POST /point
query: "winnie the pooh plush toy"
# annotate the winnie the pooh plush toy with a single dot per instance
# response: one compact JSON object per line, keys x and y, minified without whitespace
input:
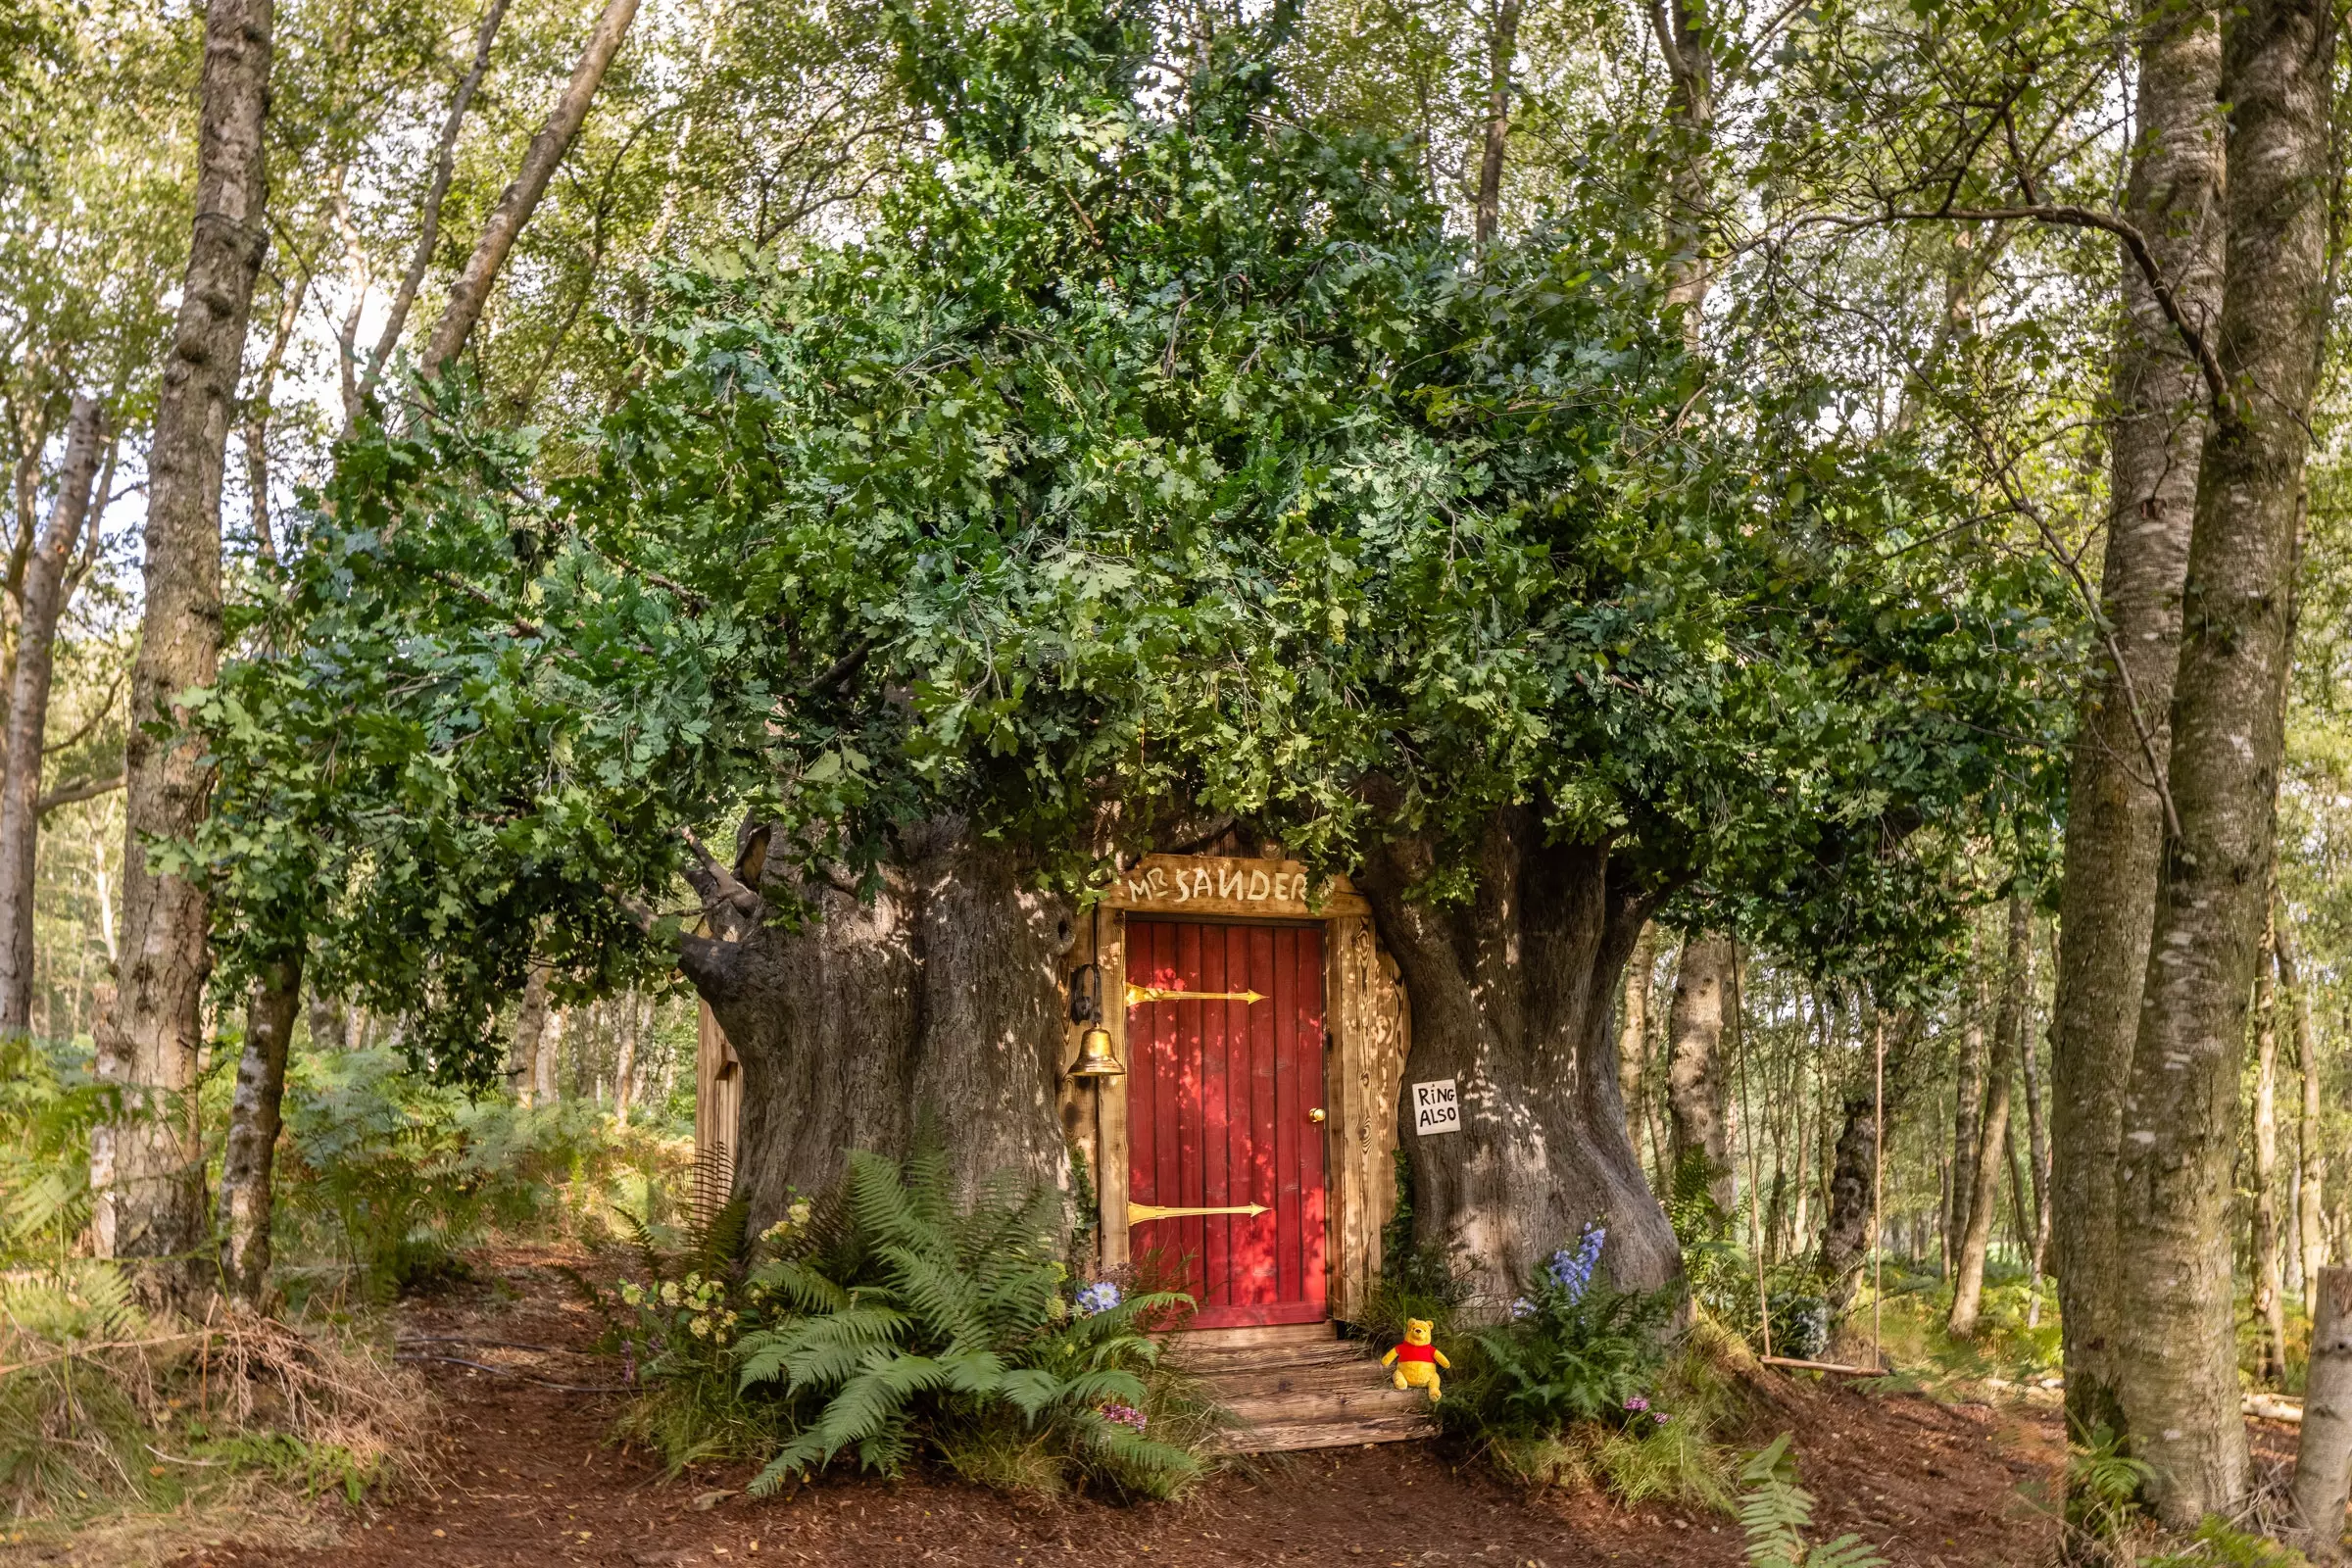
{"x":1417,"y":1360}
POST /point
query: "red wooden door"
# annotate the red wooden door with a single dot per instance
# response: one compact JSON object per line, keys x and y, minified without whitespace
{"x":1221,"y":1102}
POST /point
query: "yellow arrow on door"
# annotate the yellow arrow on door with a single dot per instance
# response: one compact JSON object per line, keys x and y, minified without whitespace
{"x":1137,"y":996}
{"x":1138,"y":1213}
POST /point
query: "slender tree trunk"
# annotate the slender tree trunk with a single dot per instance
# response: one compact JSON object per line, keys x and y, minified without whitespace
{"x":1686,"y":38}
{"x":2115,"y":816}
{"x":471,"y":292}
{"x":1699,"y":1076}
{"x":2176,"y":1372}
{"x":428,"y":222}
{"x":1845,"y":1239}
{"x":1993,"y":1131}
{"x":2311,"y":1150}
{"x":43,"y":600}
{"x":1510,"y":998}
{"x":1503,"y":47}
{"x":547,"y":1072}
{"x":147,"y":1170}
{"x":2269,"y":1261}
{"x":530,"y":1025}
{"x":248,"y":1161}
{"x":1633,"y":1030}
{"x":1968,"y":1114}
{"x":2324,"y":1451}
{"x":625,"y":1064}
{"x":2037,"y":1151}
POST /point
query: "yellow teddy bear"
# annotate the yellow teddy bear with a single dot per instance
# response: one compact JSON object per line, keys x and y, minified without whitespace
{"x":1417,"y":1360}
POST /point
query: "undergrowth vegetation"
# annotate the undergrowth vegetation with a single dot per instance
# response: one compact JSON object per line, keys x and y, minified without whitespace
{"x":109,"y":1407}
{"x":889,"y":1321}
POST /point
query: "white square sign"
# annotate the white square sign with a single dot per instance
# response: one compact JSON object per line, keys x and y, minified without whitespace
{"x":1436,"y":1108}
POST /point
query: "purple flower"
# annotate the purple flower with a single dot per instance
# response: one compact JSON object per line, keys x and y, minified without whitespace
{"x":1571,"y":1271}
{"x":1636,"y":1402}
{"x":1659,"y":1416}
{"x":1126,"y":1415}
{"x":1099,"y":1296}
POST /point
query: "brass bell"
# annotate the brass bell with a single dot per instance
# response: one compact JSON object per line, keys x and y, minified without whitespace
{"x":1095,"y":1057}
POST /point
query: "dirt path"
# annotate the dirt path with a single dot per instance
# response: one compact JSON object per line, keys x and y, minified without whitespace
{"x":526,"y":1477}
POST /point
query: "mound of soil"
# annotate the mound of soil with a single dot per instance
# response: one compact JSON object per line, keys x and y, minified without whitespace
{"x":527,"y":1475}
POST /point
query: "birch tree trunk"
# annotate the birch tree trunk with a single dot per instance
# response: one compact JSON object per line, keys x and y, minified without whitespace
{"x":2176,"y":1374}
{"x":1686,"y":39}
{"x":1503,"y":47}
{"x":147,"y":1170}
{"x":531,"y":1024}
{"x":1993,"y":1131}
{"x":1968,"y":1113}
{"x":2312,"y":1151}
{"x":1698,"y":1078}
{"x":471,"y":292}
{"x":1845,"y":1239}
{"x":2269,"y":1261}
{"x":43,"y":600}
{"x":2115,"y":817}
{"x":624,"y":1063}
{"x":2323,"y":1447}
{"x":1633,"y":1030}
{"x":247,"y":1161}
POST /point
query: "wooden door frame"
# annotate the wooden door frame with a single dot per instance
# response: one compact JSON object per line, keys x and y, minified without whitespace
{"x":1366,"y":1030}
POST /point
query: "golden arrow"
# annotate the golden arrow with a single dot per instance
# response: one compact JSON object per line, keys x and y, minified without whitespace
{"x":1137,"y":996}
{"x":1138,"y":1213}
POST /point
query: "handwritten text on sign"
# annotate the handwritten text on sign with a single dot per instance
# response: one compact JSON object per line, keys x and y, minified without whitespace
{"x":1436,"y":1108}
{"x":1160,"y":884}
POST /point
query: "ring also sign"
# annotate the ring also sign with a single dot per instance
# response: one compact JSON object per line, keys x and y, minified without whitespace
{"x":1437,"y":1108}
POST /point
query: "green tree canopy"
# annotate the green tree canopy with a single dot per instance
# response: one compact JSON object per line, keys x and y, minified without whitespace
{"x":1158,"y":453}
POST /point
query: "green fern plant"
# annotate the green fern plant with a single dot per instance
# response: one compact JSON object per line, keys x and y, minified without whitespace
{"x":1775,"y":1514}
{"x":912,"y":1323}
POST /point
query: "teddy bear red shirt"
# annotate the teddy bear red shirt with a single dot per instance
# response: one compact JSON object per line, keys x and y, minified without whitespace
{"x":1417,"y":1353}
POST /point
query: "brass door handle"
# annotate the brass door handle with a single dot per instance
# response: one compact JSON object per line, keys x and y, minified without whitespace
{"x":1316,"y":1114}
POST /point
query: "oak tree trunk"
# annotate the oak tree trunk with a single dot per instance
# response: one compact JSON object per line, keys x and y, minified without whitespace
{"x":1686,"y":38}
{"x":2115,"y":816}
{"x":937,"y":1004}
{"x":1699,"y":1071}
{"x":1992,"y":1129}
{"x":1510,"y":995}
{"x":248,"y":1159}
{"x":147,"y":1170}
{"x":2176,"y":1371}
{"x":42,"y":600}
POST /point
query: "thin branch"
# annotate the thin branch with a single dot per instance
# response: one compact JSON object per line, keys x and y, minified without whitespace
{"x":82,"y":789}
{"x":2066,"y":216}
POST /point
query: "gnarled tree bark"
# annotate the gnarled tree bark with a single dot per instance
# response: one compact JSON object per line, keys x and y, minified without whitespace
{"x":1510,"y":996}
{"x":937,"y":1000}
{"x":2176,"y":1373}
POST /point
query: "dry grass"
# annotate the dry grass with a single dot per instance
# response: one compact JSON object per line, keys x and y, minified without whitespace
{"x":126,"y":1437}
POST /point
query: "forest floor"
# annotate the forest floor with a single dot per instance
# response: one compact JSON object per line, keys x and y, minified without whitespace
{"x":527,"y":1475}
